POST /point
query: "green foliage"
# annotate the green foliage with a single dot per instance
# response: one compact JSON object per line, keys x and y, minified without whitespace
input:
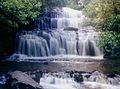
{"x":104,"y":15}
{"x":16,"y":13}
{"x":99,"y":11}
{"x":110,"y":41}
{"x":114,"y":65}
{"x":113,"y":24}
{"x":116,"y":70}
{"x":110,"y":38}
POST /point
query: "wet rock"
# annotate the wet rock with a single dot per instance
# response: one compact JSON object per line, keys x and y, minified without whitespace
{"x":20,"y":80}
{"x":71,"y":73}
{"x":111,"y":75}
{"x":37,"y":75}
{"x":71,"y":29}
{"x":115,"y":80}
{"x":17,"y":57}
{"x":86,"y":76}
{"x":99,"y":77}
{"x":78,"y":77}
{"x":104,"y":79}
{"x":112,"y":81}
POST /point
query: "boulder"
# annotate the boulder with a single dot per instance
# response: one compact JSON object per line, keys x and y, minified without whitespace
{"x":20,"y":80}
{"x":78,"y":77}
{"x":99,"y":77}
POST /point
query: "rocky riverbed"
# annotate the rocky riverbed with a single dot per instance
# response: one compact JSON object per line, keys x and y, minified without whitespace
{"x":59,"y":74}
{"x":59,"y":80}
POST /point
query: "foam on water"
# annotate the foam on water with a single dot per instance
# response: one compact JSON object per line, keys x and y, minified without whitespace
{"x":95,"y":85}
{"x":53,"y":82}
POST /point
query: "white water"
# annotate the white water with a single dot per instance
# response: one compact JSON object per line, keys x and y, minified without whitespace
{"x":69,"y":18}
{"x":60,"y":42}
{"x":49,"y":81}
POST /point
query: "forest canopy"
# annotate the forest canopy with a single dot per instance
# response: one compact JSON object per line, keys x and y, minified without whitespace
{"x":17,"y":13}
{"x":105,"y":16}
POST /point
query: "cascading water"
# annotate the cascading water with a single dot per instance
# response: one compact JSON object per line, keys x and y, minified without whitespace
{"x":66,"y":81}
{"x":59,"y":33}
{"x":51,"y":82}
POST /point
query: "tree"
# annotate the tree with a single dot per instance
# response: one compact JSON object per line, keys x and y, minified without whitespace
{"x":105,"y":16}
{"x":112,"y":24}
{"x":16,"y":13}
{"x":110,"y":42}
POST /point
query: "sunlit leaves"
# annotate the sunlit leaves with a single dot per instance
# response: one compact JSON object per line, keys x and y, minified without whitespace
{"x":100,"y":10}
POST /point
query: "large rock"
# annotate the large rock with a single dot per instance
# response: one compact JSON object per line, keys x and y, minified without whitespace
{"x":20,"y":80}
{"x":99,"y":77}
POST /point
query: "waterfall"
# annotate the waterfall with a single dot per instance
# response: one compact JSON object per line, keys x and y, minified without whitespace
{"x":59,"y":32}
